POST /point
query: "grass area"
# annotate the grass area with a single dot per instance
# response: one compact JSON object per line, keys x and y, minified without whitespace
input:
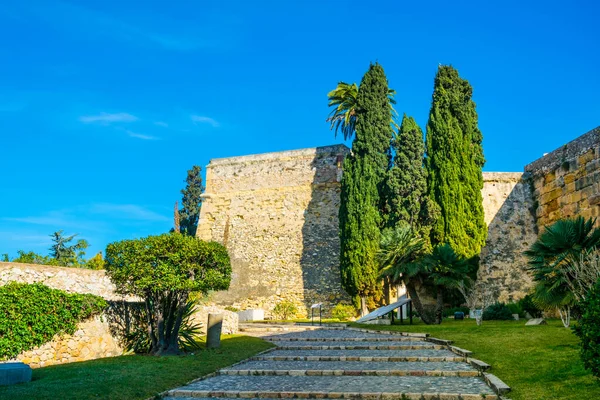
{"x":299,"y":320}
{"x":130,"y":377}
{"x":537,"y":362}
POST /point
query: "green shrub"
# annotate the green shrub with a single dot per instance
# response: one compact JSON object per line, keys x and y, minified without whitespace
{"x":232,"y":309}
{"x":588,"y":331}
{"x":516,"y":308}
{"x":498,"y":311}
{"x":32,"y":314}
{"x":285,"y":310}
{"x":529,"y":307}
{"x":449,"y":312}
{"x":343,"y":312}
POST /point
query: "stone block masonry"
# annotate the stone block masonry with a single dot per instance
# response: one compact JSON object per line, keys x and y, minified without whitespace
{"x":277,"y":214}
{"x":566,"y":182}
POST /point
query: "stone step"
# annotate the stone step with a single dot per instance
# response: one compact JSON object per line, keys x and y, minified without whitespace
{"x":360,"y":355}
{"x":340,"y":335}
{"x":360,"y":346}
{"x":354,"y":368}
{"x":383,"y":387}
{"x":276,"y":339}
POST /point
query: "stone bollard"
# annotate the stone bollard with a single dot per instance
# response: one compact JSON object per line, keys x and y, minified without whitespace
{"x":213,"y":330}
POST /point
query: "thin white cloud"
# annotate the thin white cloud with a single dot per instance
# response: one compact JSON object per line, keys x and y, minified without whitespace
{"x":140,"y":136}
{"x":106,"y":118}
{"x":205,"y":120}
{"x":127,"y":211}
{"x":56,"y":218}
{"x":160,"y":123}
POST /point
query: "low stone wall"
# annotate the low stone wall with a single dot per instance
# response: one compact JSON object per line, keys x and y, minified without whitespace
{"x":91,"y":340}
{"x":230,"y":319}
{"x":72,"y":280}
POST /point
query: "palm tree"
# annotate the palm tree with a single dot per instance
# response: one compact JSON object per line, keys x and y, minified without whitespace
{"x":343,"y":116}
{"x":399,"y":247}
{"x":551,"y":260}
{"x":446,"y":270}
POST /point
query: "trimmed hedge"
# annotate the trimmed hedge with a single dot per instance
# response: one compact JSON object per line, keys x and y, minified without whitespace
{"x":497,"y":312}
{"x":32,"y":314}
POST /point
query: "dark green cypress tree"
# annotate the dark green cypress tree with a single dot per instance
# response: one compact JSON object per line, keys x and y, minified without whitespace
{"x":191,"y":201}
{"x":406,"y":183}
{"x":454,"y":162}
{"x":362,"y":185}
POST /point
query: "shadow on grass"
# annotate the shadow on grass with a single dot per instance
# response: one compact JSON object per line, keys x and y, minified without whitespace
{"x":132,"y":376}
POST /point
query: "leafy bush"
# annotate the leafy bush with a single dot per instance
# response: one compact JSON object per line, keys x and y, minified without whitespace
{"x":498,"y":311}
{"x":343,"y":312}
{"x":516,"y":308}
{"x":449,"y":312}
{"x":232,"y":309}
{"x":164,"y":270}
{"x":138,"y":339}
{"x":285,"y":310}
{"x":588,"y":330}
{"x":32,"y":314}
{"x":529,"y":307}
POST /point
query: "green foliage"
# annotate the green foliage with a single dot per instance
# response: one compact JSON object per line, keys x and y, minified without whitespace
{"x":516,"y":308}
{"x":399,"y":247}
{"x":498,"y":312}
{"x":449,"y":312}
{"x":191,"y":202}
{"x":362,"y":186}
{"x":454,"y":162}
{"x":32,"y":314}
{"x":164,"y":270}
{"x":285,"y":310}
{"x":5,"y":257}
{"x":30,"y":257}
{"x":528,"y":306}
{"x":96,"y":262}
{"x":552,"y":255}
{"x":343,"y":312}
{"x":343,"y":116}
{"x":588,"y":330}
{"x":406,"y":184}
{"x":68,"y":255}
{"x":232,"y":309}
{"x":138,"y":340}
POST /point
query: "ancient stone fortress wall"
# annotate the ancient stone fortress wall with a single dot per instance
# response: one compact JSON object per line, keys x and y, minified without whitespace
{"x":509,"y":215}
{"x":566,"y":182}
{"x":277,"y":214}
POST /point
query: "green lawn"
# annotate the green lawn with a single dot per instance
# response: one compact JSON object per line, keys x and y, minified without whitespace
{"x":130,"y":377}
{"x":537,"y":362}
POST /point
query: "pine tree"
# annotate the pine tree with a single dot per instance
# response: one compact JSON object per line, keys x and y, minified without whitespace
{"x":362,"y":185}
{"x":454,"y":162}
{"x":191,"y":202}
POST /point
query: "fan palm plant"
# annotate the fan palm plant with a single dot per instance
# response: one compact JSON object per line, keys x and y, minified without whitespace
{"x":343,"y":116}
{"x":447,"y":270}
{"x":399,"y":248}
{"x":551,"y":260}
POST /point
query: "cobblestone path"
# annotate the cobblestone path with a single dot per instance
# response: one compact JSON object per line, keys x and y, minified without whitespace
{"x":350,"y":363}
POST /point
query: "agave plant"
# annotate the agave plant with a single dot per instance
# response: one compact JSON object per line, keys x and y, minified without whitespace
{"x":551,"y":261}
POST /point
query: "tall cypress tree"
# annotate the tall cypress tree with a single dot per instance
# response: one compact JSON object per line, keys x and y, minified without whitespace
{"x":454,"y":162}
{"x":191,"y":201}
{"x":362,"y":185}
{"x":406,"y":183}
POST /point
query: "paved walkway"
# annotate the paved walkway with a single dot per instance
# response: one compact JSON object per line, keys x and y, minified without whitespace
{"x":350,"y":363}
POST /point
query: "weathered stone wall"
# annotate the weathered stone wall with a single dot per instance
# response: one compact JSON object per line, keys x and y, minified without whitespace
{"x":566,"y":182}
{"x":92,"y":339}
{"x":508,"y":207}
{"x":72,"y":280}
{"x":277,"y":214}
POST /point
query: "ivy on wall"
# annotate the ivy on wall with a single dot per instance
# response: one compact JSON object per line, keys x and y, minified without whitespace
{"x":32,"y":314}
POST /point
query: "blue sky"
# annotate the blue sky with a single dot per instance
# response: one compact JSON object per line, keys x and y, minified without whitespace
{"x":104,"y":105}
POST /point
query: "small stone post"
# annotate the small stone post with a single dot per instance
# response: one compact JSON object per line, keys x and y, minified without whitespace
{"x":213,"y":330}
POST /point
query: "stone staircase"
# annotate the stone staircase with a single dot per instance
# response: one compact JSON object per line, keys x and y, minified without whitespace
{"x":341,"y":362}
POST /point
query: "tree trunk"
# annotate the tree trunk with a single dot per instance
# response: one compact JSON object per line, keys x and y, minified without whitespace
{"x":439,"y":305}
{"x":363,"y":306}
{"x":387,"y":289}
{"x":565,"y":316}
{"x":414,"y":296}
